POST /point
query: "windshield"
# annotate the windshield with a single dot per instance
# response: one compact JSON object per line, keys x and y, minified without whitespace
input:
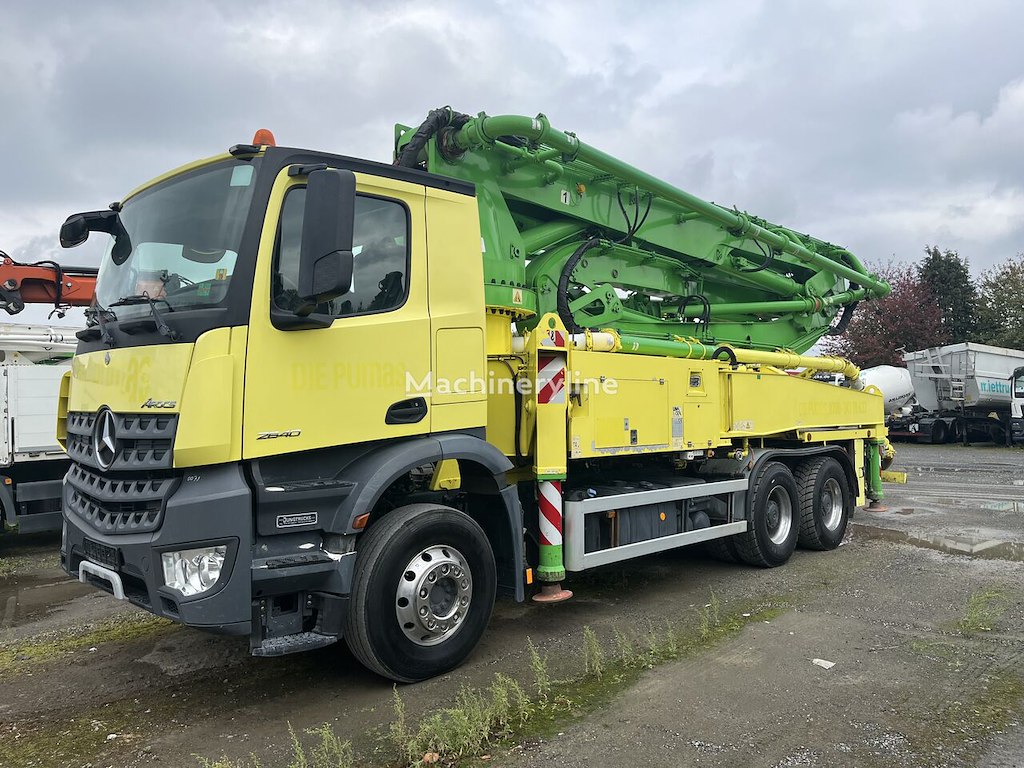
{"x":184,"y":235}
{"x":1018,"y":385}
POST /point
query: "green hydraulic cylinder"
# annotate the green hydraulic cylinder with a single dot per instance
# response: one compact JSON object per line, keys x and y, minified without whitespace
{"x":875,"y":492}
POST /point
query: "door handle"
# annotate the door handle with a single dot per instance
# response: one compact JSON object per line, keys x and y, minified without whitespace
{"x":406,"y":411}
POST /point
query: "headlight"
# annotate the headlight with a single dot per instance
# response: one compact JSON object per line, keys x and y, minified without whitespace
{"x":192,"y":571}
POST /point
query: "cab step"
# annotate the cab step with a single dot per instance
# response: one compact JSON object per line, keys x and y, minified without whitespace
{"x":304,"y":641}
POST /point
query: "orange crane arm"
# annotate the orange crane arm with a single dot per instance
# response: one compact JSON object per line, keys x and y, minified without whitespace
{"x":45,"y":282}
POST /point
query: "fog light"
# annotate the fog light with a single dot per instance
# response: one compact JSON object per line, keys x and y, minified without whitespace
{"x":192,"y":571}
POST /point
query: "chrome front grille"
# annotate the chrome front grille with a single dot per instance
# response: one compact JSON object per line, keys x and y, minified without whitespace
{"x":143,"y":441}
{"x":118,"y":505}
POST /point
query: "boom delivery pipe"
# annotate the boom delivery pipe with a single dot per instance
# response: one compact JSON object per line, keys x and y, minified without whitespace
{"x":567,"y":229}
{"x":486,"y":130}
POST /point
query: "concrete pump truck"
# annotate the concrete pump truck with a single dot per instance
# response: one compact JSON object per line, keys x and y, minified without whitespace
{"x":325,"y":398}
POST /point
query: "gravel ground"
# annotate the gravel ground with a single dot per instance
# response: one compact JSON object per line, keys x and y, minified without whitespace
{"x":913,"y":683}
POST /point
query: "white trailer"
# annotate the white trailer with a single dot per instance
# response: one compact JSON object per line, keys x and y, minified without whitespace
{"x":963,"y":391}
{"x":33,"y":359}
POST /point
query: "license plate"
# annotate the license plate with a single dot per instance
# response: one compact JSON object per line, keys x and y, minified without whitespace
{"x":102,"y":554}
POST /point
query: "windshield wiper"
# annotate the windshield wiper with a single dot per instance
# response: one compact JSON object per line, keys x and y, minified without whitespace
{"x":145,"y":298}
{"x":97,"y":314}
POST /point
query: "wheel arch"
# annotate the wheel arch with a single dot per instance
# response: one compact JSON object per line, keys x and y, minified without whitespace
{"x":793,"y":456}
{"x":483,"y":468}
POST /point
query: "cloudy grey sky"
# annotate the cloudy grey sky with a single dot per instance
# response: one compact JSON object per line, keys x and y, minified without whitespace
{"x":878,"y":125}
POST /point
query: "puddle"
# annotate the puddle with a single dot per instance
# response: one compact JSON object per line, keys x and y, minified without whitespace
{"x":974,"y":546}
{"x":1015,"y":506}
{"x":923,"y":504}
{"x":29,"y":599}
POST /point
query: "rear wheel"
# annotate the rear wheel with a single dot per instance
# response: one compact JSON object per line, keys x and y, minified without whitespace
{"x":422,"y":592}
{"x":825,"y":503}
{"x":723,"y":549}
{"x":774,"y":526}
{"x":938,"y":433}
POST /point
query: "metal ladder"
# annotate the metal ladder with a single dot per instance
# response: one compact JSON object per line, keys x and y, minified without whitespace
{"x":949,"y":386}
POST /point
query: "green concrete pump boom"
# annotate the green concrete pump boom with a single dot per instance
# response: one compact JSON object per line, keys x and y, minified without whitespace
{"x":569,"y":229}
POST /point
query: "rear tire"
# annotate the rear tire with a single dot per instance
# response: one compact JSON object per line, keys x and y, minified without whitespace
{"x":774,"y":518}
{"x":723,"y":549}
{"x":996,"y":434}
{"x":826,"y":503}
{"x":938,"y":432}
{"x":422,"y":592}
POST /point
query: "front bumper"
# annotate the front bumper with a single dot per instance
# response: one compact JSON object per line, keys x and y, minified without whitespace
{"x":272,"y":588}
{"x":1017,"y":429}
{"x":211,"y":506}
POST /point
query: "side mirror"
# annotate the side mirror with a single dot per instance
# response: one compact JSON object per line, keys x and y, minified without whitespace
{"x":74,"y":231}
{"x":325,"y":253}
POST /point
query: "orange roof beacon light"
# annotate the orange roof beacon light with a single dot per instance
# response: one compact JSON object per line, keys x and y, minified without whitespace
{"x":264,"y":138}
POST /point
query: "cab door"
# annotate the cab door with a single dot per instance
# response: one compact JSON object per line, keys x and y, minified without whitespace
{"x":350,"y":382}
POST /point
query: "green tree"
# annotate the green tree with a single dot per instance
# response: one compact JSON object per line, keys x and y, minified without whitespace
{"x":1001,"y":307}
{"x":909,"y":318}
{"x":947,"y":275}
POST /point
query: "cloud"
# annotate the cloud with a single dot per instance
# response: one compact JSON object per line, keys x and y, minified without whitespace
{"x":879,"y":126}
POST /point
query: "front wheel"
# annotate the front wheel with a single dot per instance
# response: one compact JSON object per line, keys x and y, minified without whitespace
{"x":773,"y":523}
{"x":422,"y":592}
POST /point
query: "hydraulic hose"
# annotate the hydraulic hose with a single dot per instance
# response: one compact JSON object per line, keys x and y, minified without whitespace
{"x":436,"y":120}
{"x":562,"y":303}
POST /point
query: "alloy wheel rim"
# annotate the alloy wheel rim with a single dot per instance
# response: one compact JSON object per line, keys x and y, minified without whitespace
{"x":831,"y":504}
{"x":434,"y":594}
{"x":779,"y":515}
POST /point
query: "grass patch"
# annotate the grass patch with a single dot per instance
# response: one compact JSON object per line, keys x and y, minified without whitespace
{"x":48,"y":646}
{"x":963,"y":727}
{"x":479,"y":718}
{"x":501,"y":714}
{"x":85,"y":737}
{"x":490,"y":718}
{"x":983,"y":611}
{"x":11,"y":565}
{"x":326,"y":751}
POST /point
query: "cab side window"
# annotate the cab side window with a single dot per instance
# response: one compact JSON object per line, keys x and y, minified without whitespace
{"x":380,"y":257}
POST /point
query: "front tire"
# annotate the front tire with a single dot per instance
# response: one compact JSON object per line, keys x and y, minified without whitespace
{"x":826,"y":503}
{"x":422,"y":592}
{"x":773,"y":528}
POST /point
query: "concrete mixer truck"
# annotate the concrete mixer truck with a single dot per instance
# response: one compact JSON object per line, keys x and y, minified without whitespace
{"x":326,"y":398}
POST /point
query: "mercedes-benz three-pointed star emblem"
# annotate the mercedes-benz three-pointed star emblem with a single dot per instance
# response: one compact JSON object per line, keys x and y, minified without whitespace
{"x":103,"y":440}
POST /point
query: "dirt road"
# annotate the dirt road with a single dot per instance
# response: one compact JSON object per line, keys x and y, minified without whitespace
{"x":921,"y":612}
